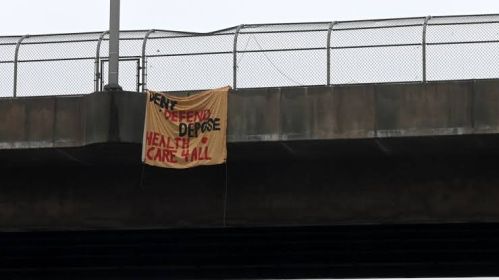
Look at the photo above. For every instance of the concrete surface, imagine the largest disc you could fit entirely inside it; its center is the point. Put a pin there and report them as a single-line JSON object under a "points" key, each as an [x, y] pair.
{"points": [[268, 114]]}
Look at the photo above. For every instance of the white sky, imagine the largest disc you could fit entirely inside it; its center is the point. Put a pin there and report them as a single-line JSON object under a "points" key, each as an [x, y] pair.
{"points": [[62, 16]]}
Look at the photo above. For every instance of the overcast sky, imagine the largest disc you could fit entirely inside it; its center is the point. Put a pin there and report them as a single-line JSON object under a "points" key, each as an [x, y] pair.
{"points": [[62, 16]]}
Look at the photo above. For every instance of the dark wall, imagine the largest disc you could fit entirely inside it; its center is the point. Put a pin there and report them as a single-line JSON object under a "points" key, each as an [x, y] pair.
{"points": [[364, 190], [109, 197], [327, 191]]}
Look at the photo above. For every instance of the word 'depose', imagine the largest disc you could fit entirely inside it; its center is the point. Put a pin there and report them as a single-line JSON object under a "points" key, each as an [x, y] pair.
{"points": [[192, 123], [193, 129]]}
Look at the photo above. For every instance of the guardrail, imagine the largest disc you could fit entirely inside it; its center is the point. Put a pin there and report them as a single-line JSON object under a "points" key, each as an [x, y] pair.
{"points": [[256, 55]]}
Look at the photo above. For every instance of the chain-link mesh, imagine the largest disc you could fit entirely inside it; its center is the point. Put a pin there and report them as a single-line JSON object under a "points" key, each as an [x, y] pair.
{"points": [[188, 62], [378, 65], [56, 64], [376, 51], [130, 54], [256, 55], [465, 47], [7, 50], [277, 55], [129, 74]]}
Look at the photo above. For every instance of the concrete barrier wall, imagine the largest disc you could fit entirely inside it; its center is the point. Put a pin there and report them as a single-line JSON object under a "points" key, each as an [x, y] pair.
{"points": [[268, 114]]}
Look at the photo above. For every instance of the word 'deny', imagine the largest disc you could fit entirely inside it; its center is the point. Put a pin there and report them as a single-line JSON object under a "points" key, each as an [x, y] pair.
{"points": [[162, 101]]}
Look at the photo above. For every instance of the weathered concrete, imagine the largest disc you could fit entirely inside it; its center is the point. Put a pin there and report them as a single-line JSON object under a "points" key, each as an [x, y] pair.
{"points": [[292, 192], [364, 191], [485, 107], [424, 109], [269, 114]]}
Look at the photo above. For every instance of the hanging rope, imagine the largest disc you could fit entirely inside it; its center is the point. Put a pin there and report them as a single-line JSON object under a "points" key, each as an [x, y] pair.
{"points": [[226, 193]]}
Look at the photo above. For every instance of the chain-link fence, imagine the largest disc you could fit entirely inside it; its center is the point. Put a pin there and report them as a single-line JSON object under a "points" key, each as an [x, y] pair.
{"points": [[256, 55]]}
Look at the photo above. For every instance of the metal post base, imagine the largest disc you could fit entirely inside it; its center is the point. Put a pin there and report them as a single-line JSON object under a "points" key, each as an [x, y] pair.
{"points": [[113, 87]]}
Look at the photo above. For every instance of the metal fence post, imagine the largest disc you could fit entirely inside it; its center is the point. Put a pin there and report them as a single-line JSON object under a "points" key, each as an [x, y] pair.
{"points": [[114, 47], [98, 74], [16, 58], [234, 53], [143, 81], [328, 45], [425, 24]]}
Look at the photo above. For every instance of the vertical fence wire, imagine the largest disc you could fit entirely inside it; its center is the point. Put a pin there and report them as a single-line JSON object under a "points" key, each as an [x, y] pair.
{"points": [[16, 60], [98, 74], [423, 46], [234, 56], [328, 46], [143, 66]]}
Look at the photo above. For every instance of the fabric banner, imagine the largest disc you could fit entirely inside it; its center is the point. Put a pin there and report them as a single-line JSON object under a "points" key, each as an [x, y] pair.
{"points": [[183, 132]]}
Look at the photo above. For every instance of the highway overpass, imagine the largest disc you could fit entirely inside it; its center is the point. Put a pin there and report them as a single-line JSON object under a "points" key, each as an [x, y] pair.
{"points": [[379, 160]]}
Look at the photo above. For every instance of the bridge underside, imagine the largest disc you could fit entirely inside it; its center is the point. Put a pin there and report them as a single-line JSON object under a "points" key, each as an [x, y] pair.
{"points": [[297, 183]]}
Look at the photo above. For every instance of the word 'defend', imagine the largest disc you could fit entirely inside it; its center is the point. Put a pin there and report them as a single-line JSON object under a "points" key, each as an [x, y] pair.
{"points": [[187, 116]]}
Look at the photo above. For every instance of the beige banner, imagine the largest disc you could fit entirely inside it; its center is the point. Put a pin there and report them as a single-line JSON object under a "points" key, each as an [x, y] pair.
{"points": [[183, 132]]}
